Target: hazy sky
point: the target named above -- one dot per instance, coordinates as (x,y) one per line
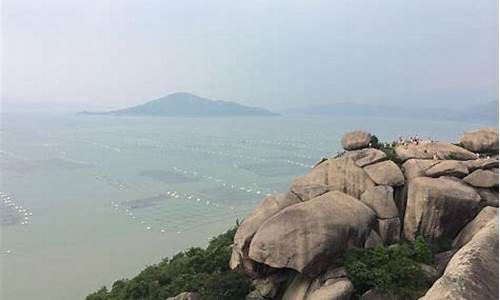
(270,53)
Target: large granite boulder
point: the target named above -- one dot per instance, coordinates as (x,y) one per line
(481,163)
(482,179)
(385,173)
(448,168)
(416,167)
(336,289)
(472,273)
(489,197)
(267,208)
(307,236)
(333,284)
(297,289)
(432,149)
(186,296)
(366,156)
(345,176)
(313,184)
(356,140)
(380,198)
(482,140)
(438,208)
(467,233)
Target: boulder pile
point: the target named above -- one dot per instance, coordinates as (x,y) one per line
(367,196)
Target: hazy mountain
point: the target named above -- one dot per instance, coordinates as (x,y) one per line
(484,111)
(188,105)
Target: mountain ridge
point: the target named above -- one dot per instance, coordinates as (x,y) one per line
(184,104)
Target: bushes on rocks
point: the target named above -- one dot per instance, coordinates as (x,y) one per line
(395,269)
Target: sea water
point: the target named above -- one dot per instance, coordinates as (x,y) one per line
(87,200)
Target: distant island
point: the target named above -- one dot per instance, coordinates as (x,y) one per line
(187,105)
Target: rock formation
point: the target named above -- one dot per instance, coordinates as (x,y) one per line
(446,193)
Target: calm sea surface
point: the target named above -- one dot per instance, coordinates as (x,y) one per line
(86,200)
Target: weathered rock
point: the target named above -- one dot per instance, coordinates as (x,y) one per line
(428,150)
(429,271)
(448,168)
(337,289)
(400,197)
(481,163)
(441,260)
(331,275)
(356,140)
(186,296)
(313,184)
(438,208)
(268,287)
(389,230)
(366,156)
(489,197)
(467,233)
(254,295)
(380,198)
(266,209)
(374,294)
(344,176)
(307,236)
(416,167)
(373,240)
(482,140)
(482,178)
(472,273)
(385,173)
(297,290)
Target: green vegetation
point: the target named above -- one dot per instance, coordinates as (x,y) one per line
(390,151)
(394,269)
(196,270)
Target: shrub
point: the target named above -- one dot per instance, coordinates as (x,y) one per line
(423,252)
(394,269)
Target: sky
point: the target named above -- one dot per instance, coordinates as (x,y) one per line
(275,54)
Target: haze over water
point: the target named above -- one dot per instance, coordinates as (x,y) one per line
(87,200)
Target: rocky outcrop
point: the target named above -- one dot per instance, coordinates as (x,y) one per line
(452,168)
(481,163)
(367,197)
(345,176)
(482,140)
(486,215)
(437,208)
(385,173)
(417,167)
(293,239)
(381,199)
(338,289)
(472,273)
(269,207)
(313,184)
(365,157)
(482,179)
(356,140)
(433,150)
